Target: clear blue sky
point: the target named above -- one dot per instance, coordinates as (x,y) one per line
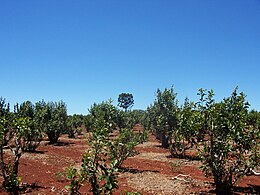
(86,51)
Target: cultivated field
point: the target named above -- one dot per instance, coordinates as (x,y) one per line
(151,171)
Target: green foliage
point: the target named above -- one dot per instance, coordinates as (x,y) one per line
(135,117)
(188,125)
(12,181)
(4,107)
(130,193)
(22,129)
(125,100)
(12,130)
(57,124)
(164,115)
(6,118)
(74,125)
(123,146)
(105,154)
(7,132)
(75,180)
(122,119)
(105,112)
(232,148)
(226,136)
(117,119)
(175,166)
(51,118)
(253,119)
(96,168)
(31,138)
(42,115)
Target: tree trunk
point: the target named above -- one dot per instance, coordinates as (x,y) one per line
(2,164)
(223,188)
(165,139)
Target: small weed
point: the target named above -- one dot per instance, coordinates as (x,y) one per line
(130,193)
(175,166)
(61,176)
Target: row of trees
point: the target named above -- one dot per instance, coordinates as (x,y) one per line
(225,134)
(23,128)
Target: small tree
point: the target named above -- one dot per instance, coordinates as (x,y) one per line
(125,100)
(106,153)
(105,111)
(123,146)
(58,121)
(184,136)
(164,115)
(32,138)
(7,117)
(96,168)
(231,149)
(74,125)
(136,117)
(253,119)
(12,130)
(51,118)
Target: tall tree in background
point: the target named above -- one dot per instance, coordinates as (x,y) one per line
(125,100)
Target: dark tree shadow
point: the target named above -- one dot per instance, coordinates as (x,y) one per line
(236,190)
(160,146)
(251,189)
(61,143)
(185,156)
(135,171)
(23,189)
(36,151)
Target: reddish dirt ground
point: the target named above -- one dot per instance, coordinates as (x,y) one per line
(151,171)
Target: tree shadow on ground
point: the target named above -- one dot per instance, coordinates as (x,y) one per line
(237,190)
(36,152)
(61,143)
(251,189)
(24,188)
(135,171)
(160,146)
(185,156)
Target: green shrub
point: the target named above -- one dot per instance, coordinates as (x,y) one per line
(232,148)
(164,115)
(123,146)
(12,128)
(51,119)
(96,168)
(32,138)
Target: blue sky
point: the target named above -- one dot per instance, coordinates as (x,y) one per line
(87,51)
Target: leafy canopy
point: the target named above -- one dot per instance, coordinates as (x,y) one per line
(125,100)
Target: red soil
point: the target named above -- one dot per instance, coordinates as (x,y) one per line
(42,168)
